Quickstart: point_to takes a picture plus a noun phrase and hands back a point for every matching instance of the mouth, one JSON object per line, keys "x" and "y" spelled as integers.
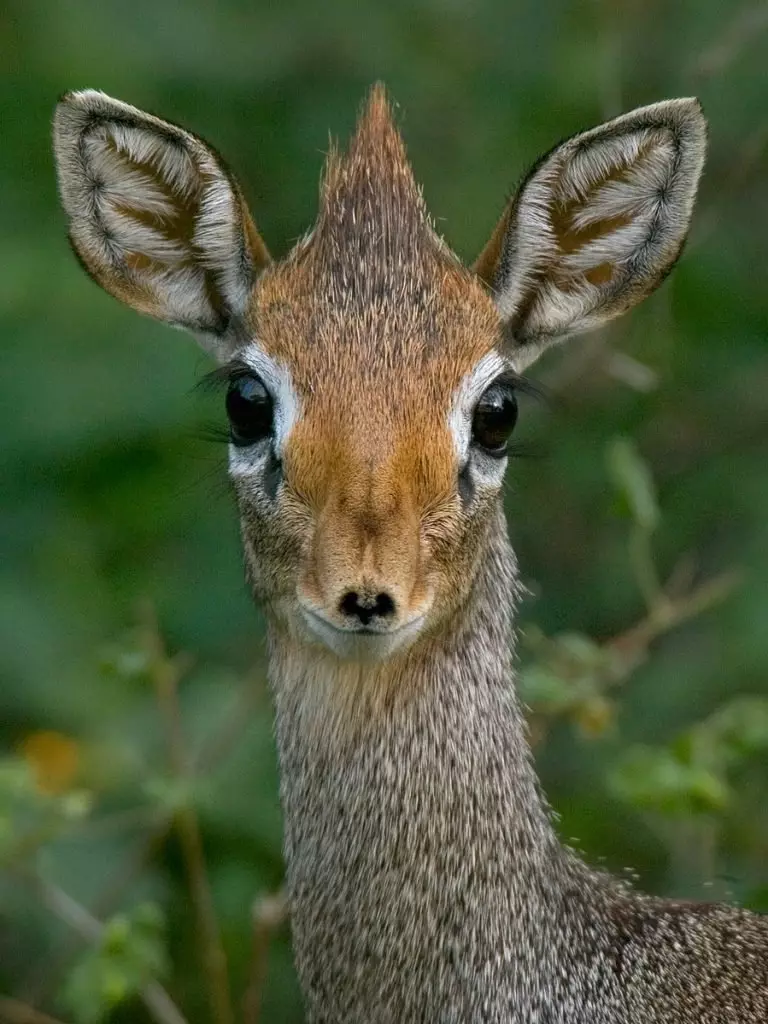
{"x": 364, "y": 643}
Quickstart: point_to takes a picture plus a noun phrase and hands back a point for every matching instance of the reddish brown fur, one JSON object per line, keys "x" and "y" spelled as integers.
{"x": 377, "y": 323}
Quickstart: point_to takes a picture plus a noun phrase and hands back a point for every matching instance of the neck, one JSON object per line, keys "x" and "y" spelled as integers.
{"x": 418, "y": 844}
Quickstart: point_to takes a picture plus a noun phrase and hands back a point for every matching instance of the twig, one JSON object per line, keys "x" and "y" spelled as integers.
{"x": 68, "y": 910}
{"x": 166, "y": 673}
{"x": 12, "y": 1011}
{"x": 269, "y": 913}
{"x": 633, "y": 644}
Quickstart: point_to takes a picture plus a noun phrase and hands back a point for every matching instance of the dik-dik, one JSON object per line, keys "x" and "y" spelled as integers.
{"x": 371, "y": 394}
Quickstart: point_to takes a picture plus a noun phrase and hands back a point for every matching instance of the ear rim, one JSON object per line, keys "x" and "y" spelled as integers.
{"x": 76, "y": 113}
{"x": 683, "y": 117}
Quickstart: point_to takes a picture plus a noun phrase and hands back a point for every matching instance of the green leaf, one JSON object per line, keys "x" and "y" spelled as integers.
{"x": 654, "y": 778}
{"x": 130, "y": 954}
{"x": 634, "y": 482}
{"x": 544, "y": 690}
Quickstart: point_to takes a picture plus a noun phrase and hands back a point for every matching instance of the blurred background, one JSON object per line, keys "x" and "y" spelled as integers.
{"x": 640, "y": 517}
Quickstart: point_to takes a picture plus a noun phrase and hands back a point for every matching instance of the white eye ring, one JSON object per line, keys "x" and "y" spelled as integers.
{"x": 466, "y": 397}
{"x": 279, "y": 382}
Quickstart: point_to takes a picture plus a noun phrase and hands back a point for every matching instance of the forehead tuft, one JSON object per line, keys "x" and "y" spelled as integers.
{"x": 372, "y": 291}
{"x": 371, "y": 206}
{"x": 373, "y": 237}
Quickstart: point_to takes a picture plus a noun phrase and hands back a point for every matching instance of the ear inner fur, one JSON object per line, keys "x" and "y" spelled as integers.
{"x": 155, "y": 216}
{"x": 596, "y": 225}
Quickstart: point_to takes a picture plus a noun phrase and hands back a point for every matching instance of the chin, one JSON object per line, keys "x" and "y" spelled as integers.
{"x": 360, "y": 645}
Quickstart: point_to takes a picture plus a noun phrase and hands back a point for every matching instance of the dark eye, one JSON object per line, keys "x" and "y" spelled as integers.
{"x": 495, "y": 418}
{"x": 249, "y": 408}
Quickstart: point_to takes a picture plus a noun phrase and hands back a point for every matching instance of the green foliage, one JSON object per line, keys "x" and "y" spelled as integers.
{"x": 569, "y": 677}
{"x": 130, "y": 954}
{"x": 691, "y": 775}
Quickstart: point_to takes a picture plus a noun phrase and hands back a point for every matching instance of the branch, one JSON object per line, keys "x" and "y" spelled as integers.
{"x": 166, "y": 673}
{"x": 47, "y": 977}
{"x": 12, "y": 1011}
{"x": 219, "y": 745}
{"x": 269, "y": 913}
{"x": 668, "y": 610}
{"x": 669, "y": 613}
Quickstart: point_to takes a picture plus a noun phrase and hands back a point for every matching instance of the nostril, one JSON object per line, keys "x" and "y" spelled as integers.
{"x": 364, "y": 609}
{"x": 384, "y": 605}
{"x": 349, "y": 604}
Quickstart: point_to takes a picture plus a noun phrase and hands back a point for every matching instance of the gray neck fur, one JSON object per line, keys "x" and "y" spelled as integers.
{"x": 425, "y": 878}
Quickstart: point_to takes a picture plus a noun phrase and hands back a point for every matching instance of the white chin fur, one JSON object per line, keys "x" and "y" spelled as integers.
{"x": 366, "y": 647}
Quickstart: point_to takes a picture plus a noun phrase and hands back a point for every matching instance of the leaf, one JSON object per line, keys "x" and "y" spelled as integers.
{"x": 634, "y": 482}
{"x": 654, "y": 778}
{"x": 130, "y": 954}
{"x": 544, "y": 690}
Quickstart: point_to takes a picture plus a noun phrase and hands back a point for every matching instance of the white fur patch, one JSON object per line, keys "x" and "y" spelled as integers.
{"x": 287, "y": 407}
{"x": 466, "y": 397}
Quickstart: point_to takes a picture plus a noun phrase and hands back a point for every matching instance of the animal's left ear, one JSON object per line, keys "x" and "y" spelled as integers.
{"x": 596, "y": 225}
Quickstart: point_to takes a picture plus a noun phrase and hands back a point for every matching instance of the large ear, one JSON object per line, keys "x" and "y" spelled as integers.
{"x": 155, "y": 217}
{"x": 596, "y": 225}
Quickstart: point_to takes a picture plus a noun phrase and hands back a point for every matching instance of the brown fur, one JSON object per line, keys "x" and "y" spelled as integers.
{"x": 370, "y": 306}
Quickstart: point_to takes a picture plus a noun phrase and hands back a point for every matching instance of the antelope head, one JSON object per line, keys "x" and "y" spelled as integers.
{"x": 371, "y": 378}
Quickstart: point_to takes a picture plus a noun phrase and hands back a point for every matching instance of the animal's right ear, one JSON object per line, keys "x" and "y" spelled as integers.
{"x": 155, "y": 217}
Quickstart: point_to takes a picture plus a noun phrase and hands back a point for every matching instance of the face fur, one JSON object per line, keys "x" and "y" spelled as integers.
{"x": 364, "y": 509}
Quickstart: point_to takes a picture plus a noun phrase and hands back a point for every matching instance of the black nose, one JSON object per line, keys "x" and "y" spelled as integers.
{"x": 364, "y": 608}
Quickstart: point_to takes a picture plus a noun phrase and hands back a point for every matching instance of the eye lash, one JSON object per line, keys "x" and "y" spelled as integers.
{"x": 524, "y": 385}
{"x": 214, "y": 433}
{"x": 221, "y": 378}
